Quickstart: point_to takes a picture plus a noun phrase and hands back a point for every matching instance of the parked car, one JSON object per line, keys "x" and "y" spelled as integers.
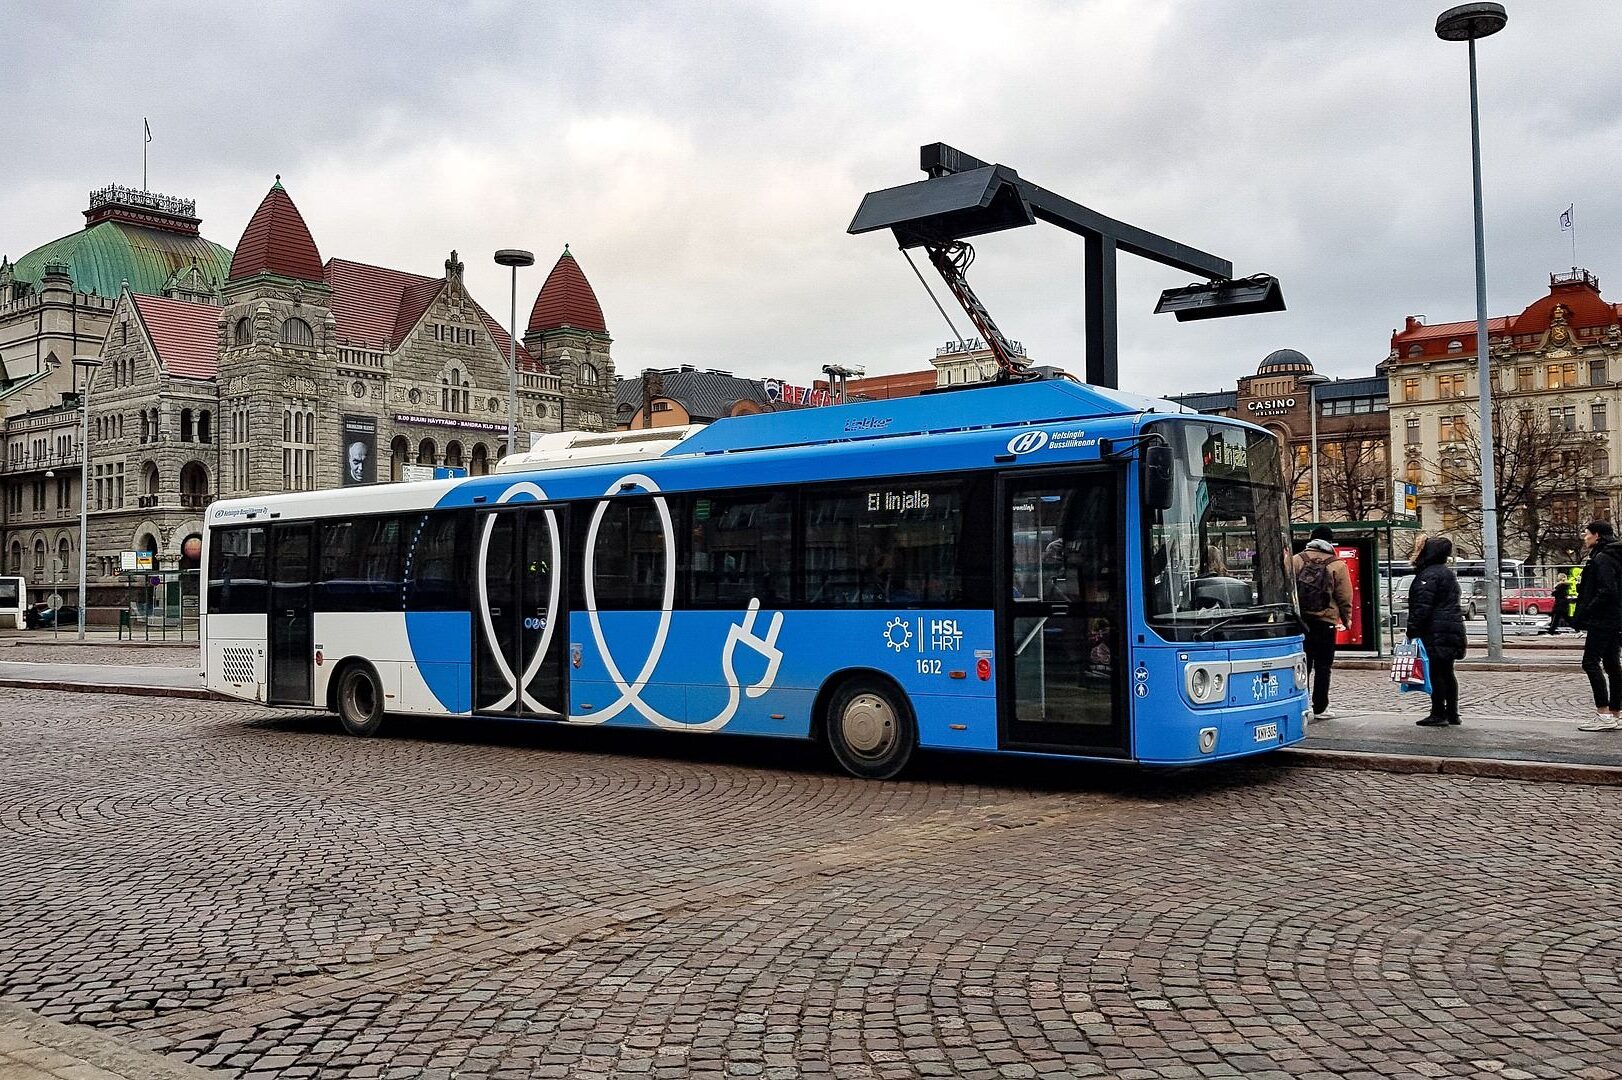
{"x": 67, "y": 615}
{"x": 1473, "y": 597}
{"x": 1535, "y": 600}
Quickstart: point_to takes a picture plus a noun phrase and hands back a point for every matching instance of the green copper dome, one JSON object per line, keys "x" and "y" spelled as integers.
{"x": 107, "y": 254}
{"x": 141, "y": 237}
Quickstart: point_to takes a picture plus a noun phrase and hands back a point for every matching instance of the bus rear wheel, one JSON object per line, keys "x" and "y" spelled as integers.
{"x": 360, "y": 700}
{"x": 870, "y": 729}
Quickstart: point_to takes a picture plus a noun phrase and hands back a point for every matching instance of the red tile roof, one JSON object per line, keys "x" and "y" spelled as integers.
{"x": 1587, "y": 313}
{"x": 376, "y": 307}
{"x": 567, "y": 300}
{"x": 276, "y": 241}
{"x": 186, "y": 336}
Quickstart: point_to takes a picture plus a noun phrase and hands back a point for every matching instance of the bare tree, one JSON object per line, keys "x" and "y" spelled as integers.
{"x": 1353, "y": 480}
{"x": 1544, "y": 473}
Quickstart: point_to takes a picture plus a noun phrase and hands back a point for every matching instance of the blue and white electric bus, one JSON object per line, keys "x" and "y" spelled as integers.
{"x": 1045, "y": 568}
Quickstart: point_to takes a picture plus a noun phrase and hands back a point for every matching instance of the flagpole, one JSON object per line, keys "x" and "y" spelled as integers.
{"x": 146, "y": 137}
{"x": 1573, "y": 236}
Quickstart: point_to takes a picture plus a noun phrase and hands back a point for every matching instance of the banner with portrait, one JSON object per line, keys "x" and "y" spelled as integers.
{"x": 359, "y": 444}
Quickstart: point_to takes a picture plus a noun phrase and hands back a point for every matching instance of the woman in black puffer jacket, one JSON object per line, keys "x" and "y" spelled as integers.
{"x": 1435, "y": 617}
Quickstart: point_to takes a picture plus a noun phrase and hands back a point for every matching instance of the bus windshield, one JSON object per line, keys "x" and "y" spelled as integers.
{"x": 1217, "y": 560}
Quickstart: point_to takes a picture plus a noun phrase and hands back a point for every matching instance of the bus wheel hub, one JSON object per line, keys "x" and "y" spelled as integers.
{"x": 868, "y": 724}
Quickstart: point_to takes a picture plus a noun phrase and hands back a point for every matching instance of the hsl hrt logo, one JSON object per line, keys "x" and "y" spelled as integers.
{"x": 1027, "y": 442}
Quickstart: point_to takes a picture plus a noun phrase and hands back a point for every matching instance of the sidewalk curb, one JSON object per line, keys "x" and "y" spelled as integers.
{"x": 131, "y": 690}
{"x": 101, "y": 1052}
{"x": 1532, "y": 666}
{"x": 1556, "y": 772}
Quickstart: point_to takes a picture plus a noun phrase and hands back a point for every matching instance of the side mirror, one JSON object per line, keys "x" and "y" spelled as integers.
{"x": 1157, "y": 468}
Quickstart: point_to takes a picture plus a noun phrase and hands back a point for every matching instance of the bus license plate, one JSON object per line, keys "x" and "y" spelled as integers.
{"x": 1266, "y": 732}
{"x": 1264, "y": 686}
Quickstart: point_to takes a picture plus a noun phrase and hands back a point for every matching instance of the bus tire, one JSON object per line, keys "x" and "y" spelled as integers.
{"x": 869, "y": 729}
{"x": 359, "y": 700}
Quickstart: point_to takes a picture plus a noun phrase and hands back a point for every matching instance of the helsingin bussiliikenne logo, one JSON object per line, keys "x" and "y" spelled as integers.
{"x": 1027, "y": 442}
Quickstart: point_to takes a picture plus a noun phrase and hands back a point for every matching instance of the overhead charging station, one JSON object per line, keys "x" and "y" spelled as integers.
{"x": 964, "y": 197}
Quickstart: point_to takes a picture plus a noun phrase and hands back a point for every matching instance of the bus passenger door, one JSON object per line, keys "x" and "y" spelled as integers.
{"x": 1062, "y": 630}
{"x": 292, "y": 635}
{"x": 521, "y": 612}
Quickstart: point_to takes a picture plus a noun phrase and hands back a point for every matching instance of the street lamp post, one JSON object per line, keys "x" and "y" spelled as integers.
{"x": 1312, "y": 380}
{"x": 84, "y": 365}
{"x": 514, "y": 258}
{"x": 1467, "y": 22}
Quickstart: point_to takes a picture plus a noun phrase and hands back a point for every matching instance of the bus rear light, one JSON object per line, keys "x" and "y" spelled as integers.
{"x": 982, "y": 668}
{"x": 958, "y": 674}
{"x": 320, "y": 658}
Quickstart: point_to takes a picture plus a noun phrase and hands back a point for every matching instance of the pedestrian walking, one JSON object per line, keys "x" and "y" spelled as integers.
{"x": 1435, "y": 618}
{"x": 1562, "y": 596}
{"x": 1599, "y": 612}
{"x": 1323, "y": 588}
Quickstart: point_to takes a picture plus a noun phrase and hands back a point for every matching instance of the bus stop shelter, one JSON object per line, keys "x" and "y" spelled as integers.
{"x": 1367, "y": 548}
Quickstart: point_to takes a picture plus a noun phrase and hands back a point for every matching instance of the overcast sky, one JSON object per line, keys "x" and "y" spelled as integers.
{"x": 704, "y": 160}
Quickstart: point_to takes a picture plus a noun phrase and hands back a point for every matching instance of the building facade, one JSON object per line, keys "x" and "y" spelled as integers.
{"x": 57, "y": 301}
{"x": 284, "y": 373}
{"x": 1556, "y": 368}
{"x": 1354, "y": 436}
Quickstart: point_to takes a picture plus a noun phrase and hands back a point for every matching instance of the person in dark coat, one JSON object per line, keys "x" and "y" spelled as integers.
{"x": 1562, "y": 598}
{"x": 1599, "y": 612}
{"x": 1435, "y": 618}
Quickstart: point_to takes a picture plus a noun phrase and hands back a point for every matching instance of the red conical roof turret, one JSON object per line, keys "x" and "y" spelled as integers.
{"x": 276, "y": 241}
{"x": 566, "y": 300}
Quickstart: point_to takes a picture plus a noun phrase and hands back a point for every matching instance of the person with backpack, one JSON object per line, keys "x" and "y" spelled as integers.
{"x": 1436, "y": 618}
{"x": 1599, "y": 612}
{"x": 1323, "y": 588}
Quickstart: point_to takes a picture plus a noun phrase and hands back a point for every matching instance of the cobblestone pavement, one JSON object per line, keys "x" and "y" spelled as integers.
{"x": 255, "y": 894}
{"x": 38, "y": 649}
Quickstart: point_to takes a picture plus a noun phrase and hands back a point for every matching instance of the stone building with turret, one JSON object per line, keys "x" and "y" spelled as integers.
{"x": 271, "y": 369}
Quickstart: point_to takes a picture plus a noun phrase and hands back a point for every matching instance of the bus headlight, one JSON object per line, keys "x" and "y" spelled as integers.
{"x": 1206, "y": 683}
{"x": 1301, "y": 673}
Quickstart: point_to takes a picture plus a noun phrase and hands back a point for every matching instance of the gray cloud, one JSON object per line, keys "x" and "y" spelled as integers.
{"x": 704, "y": 159}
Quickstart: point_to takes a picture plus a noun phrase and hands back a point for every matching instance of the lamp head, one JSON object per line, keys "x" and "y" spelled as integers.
{"x": 515, "y": 257}
{"x": 1311, "y": 379}
{"x": 1468, "y": 22}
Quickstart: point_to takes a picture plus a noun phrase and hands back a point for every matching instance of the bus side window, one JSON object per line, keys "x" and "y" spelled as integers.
{"x": 436, "y": 582}
{"x": 236, "y": 571}
{"x": 741, "y": 544}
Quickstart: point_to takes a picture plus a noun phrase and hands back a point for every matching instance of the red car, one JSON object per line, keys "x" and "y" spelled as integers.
{"x": 1533, "y": 601}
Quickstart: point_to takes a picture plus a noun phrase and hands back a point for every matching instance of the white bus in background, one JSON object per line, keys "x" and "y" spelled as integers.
{"x": 13, "y": 602}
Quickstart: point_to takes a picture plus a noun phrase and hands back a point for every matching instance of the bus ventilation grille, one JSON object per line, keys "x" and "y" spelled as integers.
{"x": 237, "y": 665}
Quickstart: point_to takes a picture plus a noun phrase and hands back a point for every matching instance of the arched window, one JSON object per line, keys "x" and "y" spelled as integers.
{"x": 185, "y": 425}
{"x": 453, "y": 454}
{"x": 426, "y": 451}
{"x": 64, "y": 552}
{"x": 243, "y": 334}
{"x": 204, "y": 423}
{"x": 588, "y": 375}
{"x": 39, "y": 560}
{"x": 479, "y": 462}
{"x": 150, "y": 480}
{"x": 194, "y": 485}
{"x": 297, "y": 332}
{"x": 399, "y": 451}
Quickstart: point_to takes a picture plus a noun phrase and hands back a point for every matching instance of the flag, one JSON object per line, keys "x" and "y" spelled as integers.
{"x": 148, "y": 128}
{"x": 1565, "y": 218}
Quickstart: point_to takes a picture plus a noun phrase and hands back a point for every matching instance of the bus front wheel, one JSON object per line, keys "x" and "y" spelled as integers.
{"x": 360, "y": 700}
{"x": 870, "y": 729}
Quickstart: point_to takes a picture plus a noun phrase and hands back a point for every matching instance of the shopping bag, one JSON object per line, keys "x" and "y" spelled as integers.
{"x": 1410, "y": 667}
